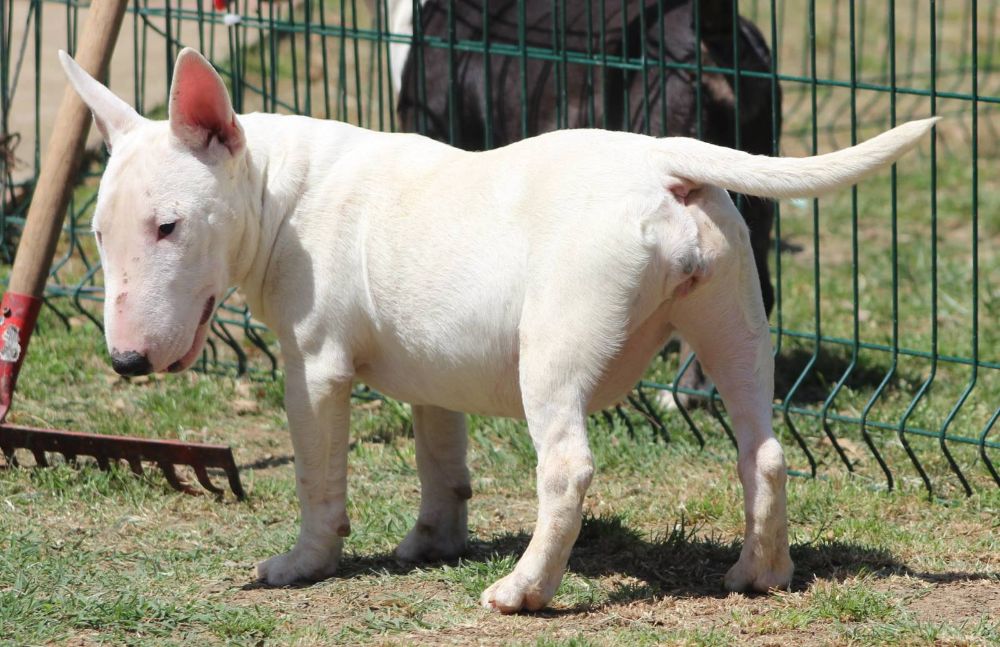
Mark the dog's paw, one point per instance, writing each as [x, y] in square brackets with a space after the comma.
[426, 543]
[773, 575]
[665, 399]
[518, 593]
[298, 565]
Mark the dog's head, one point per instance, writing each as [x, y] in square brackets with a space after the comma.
[166, 213]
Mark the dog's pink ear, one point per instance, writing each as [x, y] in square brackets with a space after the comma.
[113, 116]
[200, 110]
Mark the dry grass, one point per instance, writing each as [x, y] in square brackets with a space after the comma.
[88, 557]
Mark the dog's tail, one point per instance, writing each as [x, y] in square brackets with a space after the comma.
[787, 177]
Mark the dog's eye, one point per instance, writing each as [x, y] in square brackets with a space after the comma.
[165, 230]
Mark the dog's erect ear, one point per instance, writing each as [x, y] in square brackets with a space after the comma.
[113, 116]
[200, 109]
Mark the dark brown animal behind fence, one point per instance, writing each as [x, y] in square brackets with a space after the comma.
[475, 101]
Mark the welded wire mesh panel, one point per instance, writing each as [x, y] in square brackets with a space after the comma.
[885, 297]
[883, 342]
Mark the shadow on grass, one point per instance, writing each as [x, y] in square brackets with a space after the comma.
[268, 462]
[831, 363]
[678, 564]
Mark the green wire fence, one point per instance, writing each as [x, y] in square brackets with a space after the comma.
[886, 296]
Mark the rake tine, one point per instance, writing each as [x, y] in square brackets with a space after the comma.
[102, 461]
[233, 474]
[9, 455]
[170, 471]
[40, 458]
[202, 475]
[135, 465]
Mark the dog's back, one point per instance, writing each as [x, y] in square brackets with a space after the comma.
[476, 102]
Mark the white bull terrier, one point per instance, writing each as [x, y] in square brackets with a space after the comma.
[535, 281]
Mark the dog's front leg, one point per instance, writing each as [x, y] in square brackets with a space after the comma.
[319, 413]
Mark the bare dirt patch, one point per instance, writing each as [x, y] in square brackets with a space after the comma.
[958, 601]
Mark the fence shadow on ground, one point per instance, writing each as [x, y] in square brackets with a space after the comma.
[831, 363]
[677, 564]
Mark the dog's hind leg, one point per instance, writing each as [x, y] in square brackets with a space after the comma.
[319, 414]
[442, 525]
[567, 336]
[726, 325]
[563, 473]
[759, 216]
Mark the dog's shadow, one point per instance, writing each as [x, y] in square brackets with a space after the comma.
[680, 563]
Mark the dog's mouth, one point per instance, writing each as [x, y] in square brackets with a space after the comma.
[199, 339]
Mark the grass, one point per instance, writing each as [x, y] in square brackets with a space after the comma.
[340, 77]
[93, 557]
[949, 332]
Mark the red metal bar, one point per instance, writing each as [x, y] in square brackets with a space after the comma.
[19, 312]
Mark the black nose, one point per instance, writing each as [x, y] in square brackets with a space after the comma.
[129, 363]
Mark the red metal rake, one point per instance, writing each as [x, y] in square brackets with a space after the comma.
[167, 454]
[22, 301]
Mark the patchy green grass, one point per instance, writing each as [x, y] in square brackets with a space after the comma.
[92, 557]
[896, 299]
[89, 556]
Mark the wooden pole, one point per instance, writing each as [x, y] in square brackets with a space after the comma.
[62, 157]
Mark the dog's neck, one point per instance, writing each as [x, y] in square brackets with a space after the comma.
[284, 159]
